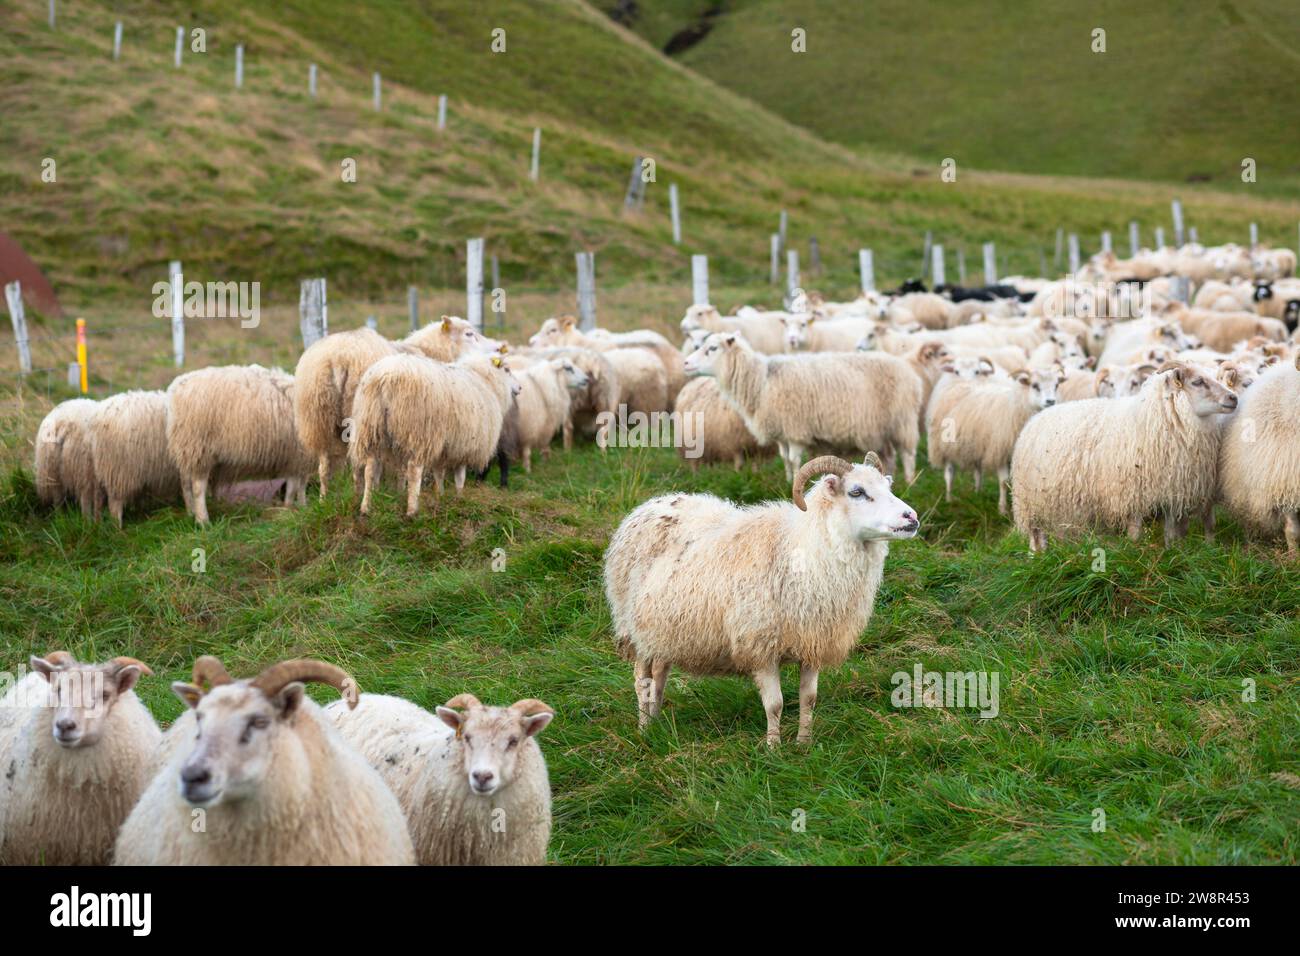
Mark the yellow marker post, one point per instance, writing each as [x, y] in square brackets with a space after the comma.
[81, 354]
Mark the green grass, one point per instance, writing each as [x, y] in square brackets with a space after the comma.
[1183, 92]
[1120, 691]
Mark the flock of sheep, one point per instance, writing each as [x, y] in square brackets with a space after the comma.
[1099, 401]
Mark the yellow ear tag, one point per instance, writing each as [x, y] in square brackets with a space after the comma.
[496, 361]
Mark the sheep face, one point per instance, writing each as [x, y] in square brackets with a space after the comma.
[574, 378]
[704, 360]
[1205, 395]
[796, 330]
[970, 367]
[1042, 384]
[81, 697]
[237, 730]
[491, 740]
[467, 339]
[862, 503]
[696, 316]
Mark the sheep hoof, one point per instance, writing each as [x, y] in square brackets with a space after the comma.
[804, 740]
[773, 741]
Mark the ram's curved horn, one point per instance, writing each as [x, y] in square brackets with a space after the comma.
[119, 662]
[210, 671]
[461, 701]
[531, 705]
[874, 461]
[826, 464]
[278, 676]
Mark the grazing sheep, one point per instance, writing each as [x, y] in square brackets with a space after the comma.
[934, 312]
[1259, 463]
[128, 444]
[713, 588]
[76, 758]
[234, 423]
[723, 434]
[418, 415]
[471, 779]
[328, 373]
[763, 330]
[841, 400]
[65, 465]
[974, 424]
[1108, 464]
[556, 332]
[276, 784]
[543, 402]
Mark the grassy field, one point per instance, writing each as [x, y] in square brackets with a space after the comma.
[1180, 93]
[1120, 690]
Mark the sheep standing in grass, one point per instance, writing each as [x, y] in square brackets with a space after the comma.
[128, 443]
[65, 465]
[723, 435]
[600, 397]
[328, 374]
[974, 424]
[234, 423]
[564, 331]
[1259, 464]
[841, 401]
[764, 331]
[544, 399]
[76, 756]
[419, 415]
[471, 779]
[699, 583]
[276, 784]
[1108, 464]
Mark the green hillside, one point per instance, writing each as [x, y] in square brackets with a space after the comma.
[1184, 91]
[157, 163]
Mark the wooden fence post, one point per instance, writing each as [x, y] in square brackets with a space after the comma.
[1176, 210]
[700, 279]
[961, 266]
[990, 264]
[1105, 242]
[496, 287]
[1192, 237]
[791, 274]
[1134, 238]
[312, 321]
[311, 81]
[474, 283]
[676, 212]
[378, 91]
[867, 270]
[1160, 237]
[1254, 234]
[239, 65]
[14, 299]
[938, 277]
[633, 185]
[413, 306]
[176, 281]
[1060, 250]
[442, 111]
[51, 14]
[1074, 253]
[586, 290]
[180, 42]
[534, 170]
[775, 271]
[117, 40]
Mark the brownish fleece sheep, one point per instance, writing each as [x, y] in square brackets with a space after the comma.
[128, 443]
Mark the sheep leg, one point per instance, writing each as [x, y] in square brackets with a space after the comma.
[460, 479]
[568, 435]
[1037, 540]
[979, 480]
[115, 506]
[948, 471]
[367, 484]
[526, 454]
[438, 477]
[302, 492]
[1135, 529]
[503, 465]
[807, 701]
[1004, 475]
[187, 495]
[909, 465]
[414, 479]
[769, 688]
[644, 686]
[323, 473]
[695, 464]
[201, 499]
[1293, 534]
[1175, 529]
[658, 680]
[796, 458]
[1207, 522]
[737, 462]
[546, 452]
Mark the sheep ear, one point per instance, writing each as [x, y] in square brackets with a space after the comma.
[449, 717]
[126, 678]
[446, 325]
[1022, 377]
[41, 666]
[188, 693]
[289, 699]
[536, 723]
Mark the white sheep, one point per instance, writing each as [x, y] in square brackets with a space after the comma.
[1259, 463]
[65, 466]
[544, 400]
[564, 331]
[974, 424]
[271, 780]
[128, 443]
[763, 330]
[713, 588]
[1108, 464]
[76, 746]
[723, 433]
[805, 333]
[234, 423]
[840, 400]
[471, 779]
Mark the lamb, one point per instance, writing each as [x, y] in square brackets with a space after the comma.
[932, 311]
[75, 758]
[714, 588]
[851, 400]
[974, 425]
[600, 397]
[65, 467]
[544, 404]
[235, 423]
[329, 371]
[564, 331]
[1108, 464]
[471, 779]
[418, 415]
[803, 333]
[128, 445]
[762, 330]
[276, 784]
[724, 436]
[1259, 463]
